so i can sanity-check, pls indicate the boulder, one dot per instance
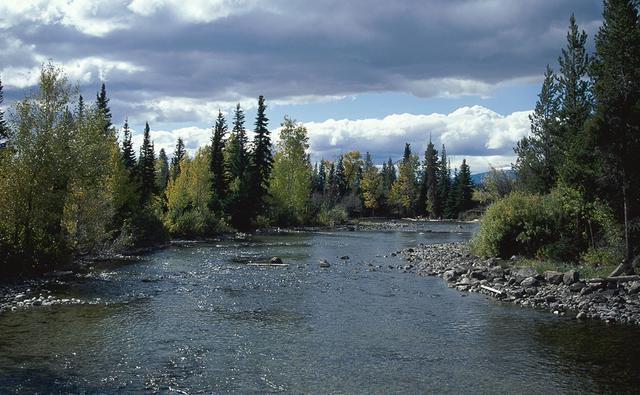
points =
(450, 276)
(275, 260)
(324, 263)
(634, 289)
(345, 257)
(553, 277)
(577, 286)
(529, 282)
(520, 273)
(570, 277)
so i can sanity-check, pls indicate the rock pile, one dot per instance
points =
(560, 293)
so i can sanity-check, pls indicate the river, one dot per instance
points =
(195, 318)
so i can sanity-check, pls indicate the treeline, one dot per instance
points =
(578, 181)
(70, 186)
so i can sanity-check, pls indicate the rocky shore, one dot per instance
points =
(560, 293)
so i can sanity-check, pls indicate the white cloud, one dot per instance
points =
(194, 138)
(199, 11)
(91, 17)
(81, 70)
(483, 136)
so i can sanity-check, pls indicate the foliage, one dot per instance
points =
(495, 185)
(332, 216)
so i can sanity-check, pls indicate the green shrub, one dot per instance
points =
(558, 226)
(334, 216)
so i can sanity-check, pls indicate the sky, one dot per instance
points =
(360, 74)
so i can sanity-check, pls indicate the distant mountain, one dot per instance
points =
(479, 177)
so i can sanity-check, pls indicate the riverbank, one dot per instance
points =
(562, 293)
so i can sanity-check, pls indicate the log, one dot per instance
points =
(621, 279)
(268, 264)
(491, 289)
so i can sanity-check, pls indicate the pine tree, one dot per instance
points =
(538, 156)
(178, 154)
(80, 110)
(451, 208)
(102, 103)
(218, 177)
(340, 180)
(146, 168)
(162, 171)
(465, 188)
(236, 163)
(444, 180)
(616, 125)
(4, 129)
(240, 158)
(128, 154)
(575, 106)
(262, 160)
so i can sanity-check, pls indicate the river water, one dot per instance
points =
(195, 318)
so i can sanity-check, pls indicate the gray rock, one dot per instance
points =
(634, 289)
(520, 273)
(450, 276)
(577, 286)
(529, 282)
(345, 257)
(570, 277)
(275, 260)
(553, 277)
(324, 263)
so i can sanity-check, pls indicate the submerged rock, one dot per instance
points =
(324, 263)
(275, 260)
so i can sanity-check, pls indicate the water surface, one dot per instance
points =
(195, 318)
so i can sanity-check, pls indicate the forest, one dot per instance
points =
(577, 192)
(72, 184)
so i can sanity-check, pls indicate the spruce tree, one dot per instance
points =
(444, 180)
(80, 110)
(102, 103)
(451, 207)
(433, 207)
(128, 154)
(237, 168)
(162, 171)
(239, 158)
(575, 107)
(615, 71)
(340, 180)
(178, 154)
(465, 187)
(262, 160)
(218, 177)
(146, 168)
(538, 153)
(4, 129)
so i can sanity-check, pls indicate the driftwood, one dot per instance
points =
(268, 264)
(625, 267)
(612, 279)
(491, 289)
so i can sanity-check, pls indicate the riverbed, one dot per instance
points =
(196, 317)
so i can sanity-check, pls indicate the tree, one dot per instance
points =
(404, 191)
(577, 165)
(162, 171)
(102, 103)
(615, 71)
(495, 186)
(290, 186)
(262, 160)
(444, 180)
(146, 168)
(430, 198)
(236, 163)
(128, 154)
(4, 128)
(538, 156)
(372, 185)
(178, 154)
(465, 187)
(216, 166)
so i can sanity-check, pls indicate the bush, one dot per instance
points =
(331, 217)
(558, 226)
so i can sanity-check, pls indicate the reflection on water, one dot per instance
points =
(195, 318)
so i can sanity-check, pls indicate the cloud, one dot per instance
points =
(477, 133)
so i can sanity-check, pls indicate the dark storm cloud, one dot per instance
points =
(290, 48)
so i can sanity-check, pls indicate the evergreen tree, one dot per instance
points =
(216, 166)
(178, 154)
(80, 110)
(444, 180)
(433, 207)
(465, 188)
(451, 207)
(146, 168)
(162, 171)
(616, 125)
(128, 154)
(575, 106)
(239, 160)
(262, 160)
(538, 156)
(340, 180)
(4, 129)
(236, 163)
(102, 103)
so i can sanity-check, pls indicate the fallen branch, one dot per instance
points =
(497, 291)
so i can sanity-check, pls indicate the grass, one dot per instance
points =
(586, 272)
